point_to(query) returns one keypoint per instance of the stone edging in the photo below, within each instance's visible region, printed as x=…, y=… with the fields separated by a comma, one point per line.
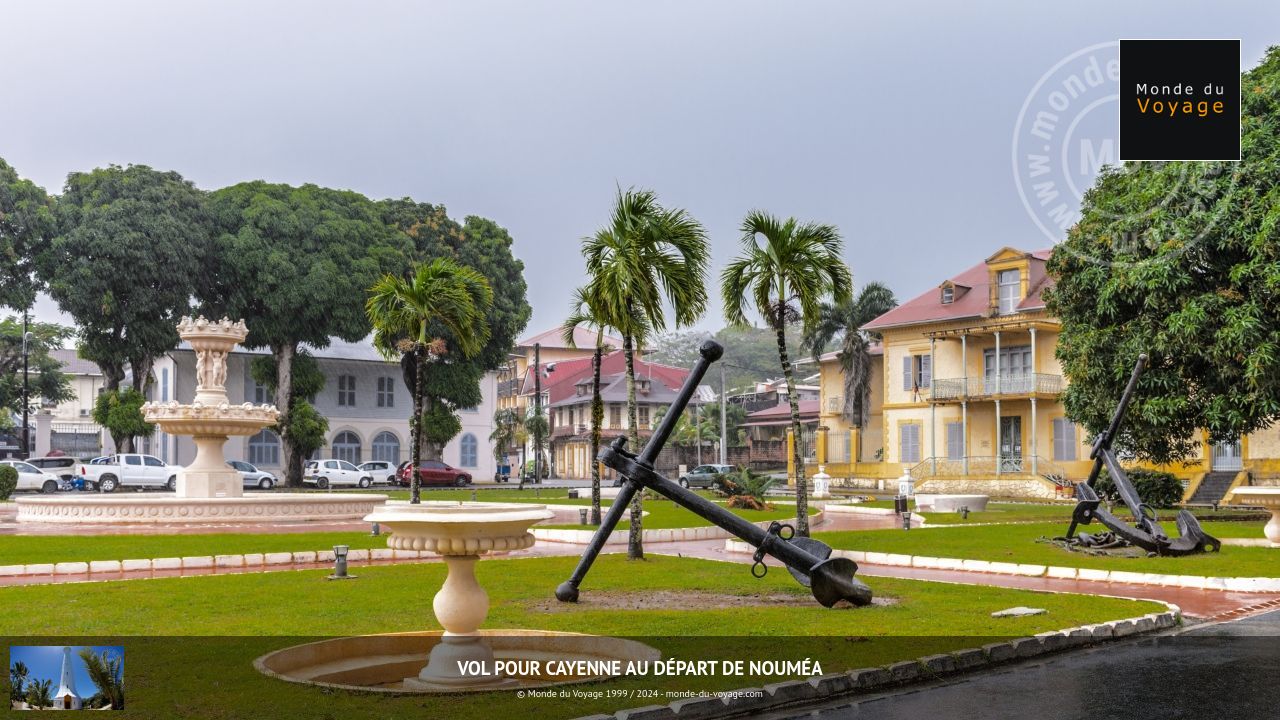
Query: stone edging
x=619, y=537
x=1233, y=584
x=115, y=567
x=917, y=519
x=755, y=700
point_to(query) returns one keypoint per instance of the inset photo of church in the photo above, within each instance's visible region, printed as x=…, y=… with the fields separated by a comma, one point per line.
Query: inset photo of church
x=66, y=677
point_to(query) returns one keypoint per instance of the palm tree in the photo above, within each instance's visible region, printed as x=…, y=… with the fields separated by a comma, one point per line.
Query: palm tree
x=107, y=672
x=406, y=314
x=504, y=433
x=18, y=674
x=586, y=311
x=786, y=277
x=844, y=320
x=40, y=694
x=645, y=258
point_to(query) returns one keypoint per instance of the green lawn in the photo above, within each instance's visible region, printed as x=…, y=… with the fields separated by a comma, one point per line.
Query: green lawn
x=1018, y=543
x=212, y=676
x=31, y=549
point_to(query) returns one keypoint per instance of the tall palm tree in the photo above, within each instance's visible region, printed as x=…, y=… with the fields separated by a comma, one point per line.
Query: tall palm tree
x=587, y=311
x=404, y=312
x=786, y=269
x=18, y=674
x=504, y=433
x=845, y=320
x=646, y=258
x=107, y=672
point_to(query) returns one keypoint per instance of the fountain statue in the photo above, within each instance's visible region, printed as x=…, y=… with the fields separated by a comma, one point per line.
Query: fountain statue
x=210, y=419
x=208, y=490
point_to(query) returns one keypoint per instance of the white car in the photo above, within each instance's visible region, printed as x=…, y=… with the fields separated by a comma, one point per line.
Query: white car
x=324, y=473
x=252, y=476
x=31, y=477
x=130, y=470
x=381, y=470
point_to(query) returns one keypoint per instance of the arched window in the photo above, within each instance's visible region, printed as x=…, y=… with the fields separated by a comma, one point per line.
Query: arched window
x=468, y=451
x=346, y=446
x=264, y=448
x=386, y=446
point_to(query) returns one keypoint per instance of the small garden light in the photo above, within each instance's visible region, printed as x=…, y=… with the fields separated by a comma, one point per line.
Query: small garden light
x=376, y=531
x=582, y=513
x=340, y=563
x=906, y=520
x=964, y=512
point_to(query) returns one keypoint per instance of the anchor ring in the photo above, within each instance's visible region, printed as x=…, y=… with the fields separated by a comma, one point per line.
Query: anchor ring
x=764, y=570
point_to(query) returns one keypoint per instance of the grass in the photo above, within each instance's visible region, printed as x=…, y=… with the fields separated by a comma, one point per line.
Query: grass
x=212, y=676
x=1011, y=512
x=1018, y=543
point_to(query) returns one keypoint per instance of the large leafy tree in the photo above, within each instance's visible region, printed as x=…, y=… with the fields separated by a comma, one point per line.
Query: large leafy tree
x=1180, y=261
x=120, y=413
x=843, y=321
x=295, y=264
x=589, y=312
x=646, y=258
x=26, y=224
x=485, y=247
x=785, y=271
x=132, y=243
x=404, y=311
x=45, y=378
x=307, y=427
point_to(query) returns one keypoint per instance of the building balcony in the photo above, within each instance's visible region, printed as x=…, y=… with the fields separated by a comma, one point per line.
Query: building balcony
x=946, y=390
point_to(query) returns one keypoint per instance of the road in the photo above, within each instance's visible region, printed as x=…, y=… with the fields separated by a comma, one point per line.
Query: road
x=1225, y=671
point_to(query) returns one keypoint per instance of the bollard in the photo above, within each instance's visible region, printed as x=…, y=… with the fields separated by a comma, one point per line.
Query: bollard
x=473, y=494
x=340, y=563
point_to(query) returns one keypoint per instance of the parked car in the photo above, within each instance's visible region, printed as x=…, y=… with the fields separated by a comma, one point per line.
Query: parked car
x=252, y=476
x=435, y=472
x=703, y=476
x=131, y=470
x=31, y=477
x=381, y=470
x=63, y=466
x=324, y=473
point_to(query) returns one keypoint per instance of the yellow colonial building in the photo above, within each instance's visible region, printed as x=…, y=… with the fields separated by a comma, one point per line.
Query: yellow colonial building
x=965, y=398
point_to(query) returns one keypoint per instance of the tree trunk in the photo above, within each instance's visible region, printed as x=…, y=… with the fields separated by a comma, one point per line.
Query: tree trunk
x=284, y=403
x=797, y=432
x=142, y=372
x=597, y=417
x=635, y=542
x=415, y=427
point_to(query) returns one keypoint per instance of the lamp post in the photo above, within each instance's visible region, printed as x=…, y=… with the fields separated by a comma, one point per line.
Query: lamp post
x=26, y=389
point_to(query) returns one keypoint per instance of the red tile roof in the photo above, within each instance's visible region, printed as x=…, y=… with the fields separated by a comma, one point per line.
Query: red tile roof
x=559, y=383
x=584, y=338
x=971, y=303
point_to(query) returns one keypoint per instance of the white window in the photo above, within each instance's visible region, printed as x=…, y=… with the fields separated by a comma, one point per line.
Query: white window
x=948, y=295
x=955, y=441
x=909, y=443
x=386, y=447
x=1009, y=286
x=260, y=394
x=346, y=446
x=264, y=448
x=386, y=392
x=1064, y=439
x=469, y=451
x=347, y=390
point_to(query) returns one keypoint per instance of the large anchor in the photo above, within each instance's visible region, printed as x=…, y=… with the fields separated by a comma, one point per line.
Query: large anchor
x=1145, y=532
x=830, y=579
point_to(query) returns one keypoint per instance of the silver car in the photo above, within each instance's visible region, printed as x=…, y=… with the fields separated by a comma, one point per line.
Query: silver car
x=252, y=476
x=704, y=475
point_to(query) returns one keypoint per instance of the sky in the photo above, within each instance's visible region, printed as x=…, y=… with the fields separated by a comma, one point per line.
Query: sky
x=894, y=121
x=45, y=663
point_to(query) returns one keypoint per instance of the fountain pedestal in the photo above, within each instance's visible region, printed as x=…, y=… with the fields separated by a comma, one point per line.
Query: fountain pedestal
x=461, y=533
x=1266, y=497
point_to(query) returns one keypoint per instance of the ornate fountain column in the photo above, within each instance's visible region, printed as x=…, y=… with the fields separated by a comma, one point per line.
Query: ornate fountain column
x=210, y=419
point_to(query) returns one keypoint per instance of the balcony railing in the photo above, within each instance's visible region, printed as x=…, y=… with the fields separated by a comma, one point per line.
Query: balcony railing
x=986, y=466
x=1006, y=385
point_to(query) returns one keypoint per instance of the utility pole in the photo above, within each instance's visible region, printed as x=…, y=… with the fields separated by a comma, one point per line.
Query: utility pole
x=537, y=409
x=26, y=390
x=724, y=436
x=697, y=428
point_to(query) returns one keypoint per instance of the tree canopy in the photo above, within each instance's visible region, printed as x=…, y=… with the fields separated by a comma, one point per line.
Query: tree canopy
x=26, y=224
x=44, y=373
x=131, y=245
x=1180, y=261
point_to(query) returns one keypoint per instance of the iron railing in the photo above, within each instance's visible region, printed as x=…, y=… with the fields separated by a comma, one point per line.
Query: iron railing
x=986, y=466
x=976, y=387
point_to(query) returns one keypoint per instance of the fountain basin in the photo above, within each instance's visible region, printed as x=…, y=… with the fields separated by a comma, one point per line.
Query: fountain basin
x=1266, y=497
x=381, y=663
x=171, y=509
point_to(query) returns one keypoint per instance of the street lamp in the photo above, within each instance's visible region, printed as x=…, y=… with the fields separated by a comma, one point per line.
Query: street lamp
x=27, y=337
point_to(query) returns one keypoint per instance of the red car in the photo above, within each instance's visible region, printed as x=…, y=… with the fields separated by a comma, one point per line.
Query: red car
x=434, y=472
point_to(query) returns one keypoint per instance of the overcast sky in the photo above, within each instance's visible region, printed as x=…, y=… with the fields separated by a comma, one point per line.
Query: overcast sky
x=892, y=120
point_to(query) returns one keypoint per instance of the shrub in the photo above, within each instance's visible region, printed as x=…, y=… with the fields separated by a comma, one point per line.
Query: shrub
x=1156, y=488
x=8, y=481
x=744, y=490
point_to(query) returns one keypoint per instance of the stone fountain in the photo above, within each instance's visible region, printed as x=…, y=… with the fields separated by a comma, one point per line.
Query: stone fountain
x=208, y=491
x=1265, y=497
x=433, y=662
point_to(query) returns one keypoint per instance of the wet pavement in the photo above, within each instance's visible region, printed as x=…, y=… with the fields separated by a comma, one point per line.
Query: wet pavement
x=1210, y=672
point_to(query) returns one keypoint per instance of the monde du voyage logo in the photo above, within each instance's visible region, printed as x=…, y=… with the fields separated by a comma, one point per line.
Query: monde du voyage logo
x=1179, y=100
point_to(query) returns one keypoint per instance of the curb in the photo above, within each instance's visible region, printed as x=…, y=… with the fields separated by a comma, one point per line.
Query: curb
x=204, y=562
x=751, y=701
x=1232, y=584
x=619, y=537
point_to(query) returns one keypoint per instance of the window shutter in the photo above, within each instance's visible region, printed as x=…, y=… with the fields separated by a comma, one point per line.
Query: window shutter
x=926, y=371
x=906, y=372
